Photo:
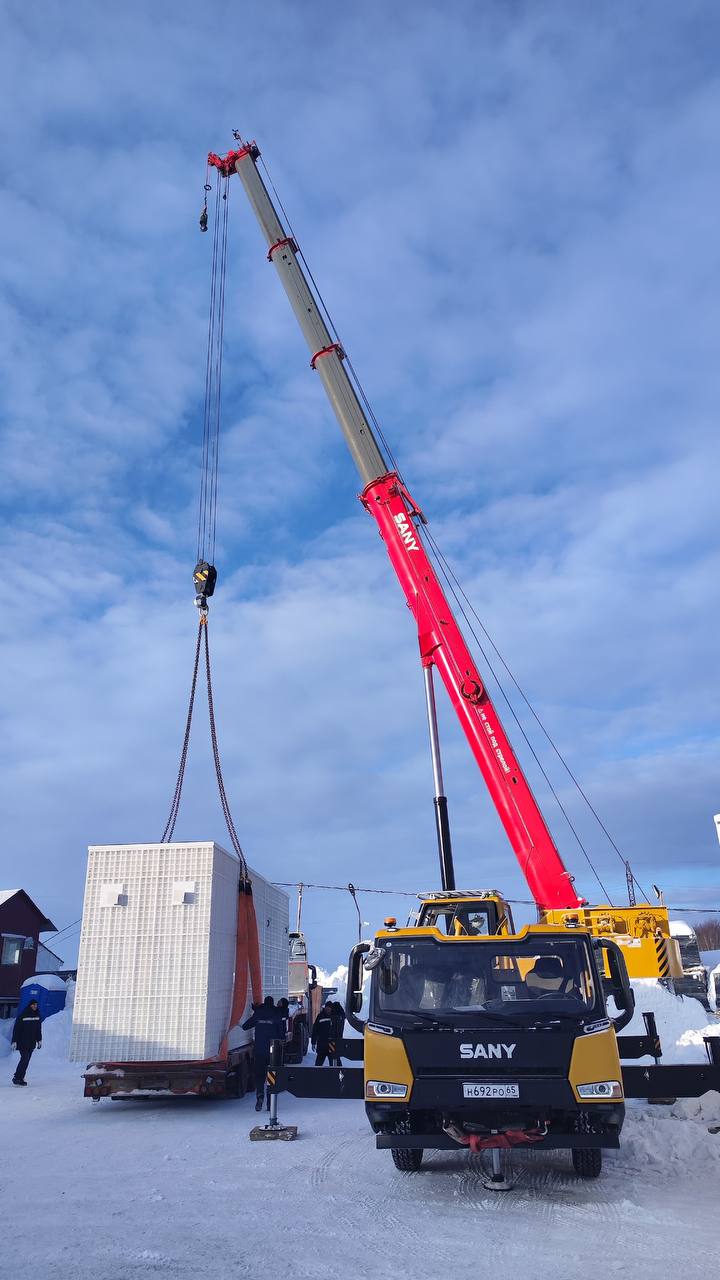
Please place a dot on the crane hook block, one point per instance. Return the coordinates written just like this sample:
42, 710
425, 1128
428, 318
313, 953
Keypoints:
204, 579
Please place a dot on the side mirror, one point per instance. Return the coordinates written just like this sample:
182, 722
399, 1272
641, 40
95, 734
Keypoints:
313, 976
354, 993
618, 983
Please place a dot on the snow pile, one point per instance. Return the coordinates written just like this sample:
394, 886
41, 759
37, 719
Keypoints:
49, 981
56, 1033
686, 1135
682, 1023
6, 1026
338, 978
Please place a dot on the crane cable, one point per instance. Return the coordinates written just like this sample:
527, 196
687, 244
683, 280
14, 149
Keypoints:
207, 510
453, 584
205, 574
451, 578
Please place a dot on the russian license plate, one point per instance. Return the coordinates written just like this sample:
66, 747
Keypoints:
478, 1090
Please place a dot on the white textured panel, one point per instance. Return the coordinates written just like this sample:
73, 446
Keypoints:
155, 976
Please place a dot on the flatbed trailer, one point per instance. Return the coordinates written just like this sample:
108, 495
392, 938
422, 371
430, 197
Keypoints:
213, 1078
229, 1077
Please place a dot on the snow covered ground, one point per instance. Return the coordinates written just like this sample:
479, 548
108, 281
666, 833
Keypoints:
113, 1191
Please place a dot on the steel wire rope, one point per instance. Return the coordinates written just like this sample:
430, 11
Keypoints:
220, 335
440, 558
207, 406
218, 767
212, 407
323, 307
440, 563
167, 834
207, 514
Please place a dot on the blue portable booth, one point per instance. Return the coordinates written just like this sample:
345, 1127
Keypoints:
48, 989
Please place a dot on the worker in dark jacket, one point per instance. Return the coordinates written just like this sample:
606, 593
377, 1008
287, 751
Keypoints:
322, 1035
26, 1037
283, 1008
337, 1018
267, 1023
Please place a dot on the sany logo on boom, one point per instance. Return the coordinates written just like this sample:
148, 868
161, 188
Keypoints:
406, 531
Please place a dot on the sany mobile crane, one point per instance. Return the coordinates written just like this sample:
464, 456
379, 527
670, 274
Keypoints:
641, 931
477, 1036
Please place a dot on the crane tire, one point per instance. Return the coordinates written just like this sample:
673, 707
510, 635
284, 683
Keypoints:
407, 1159
587, 1161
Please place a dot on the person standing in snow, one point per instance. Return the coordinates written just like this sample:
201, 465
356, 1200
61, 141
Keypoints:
283, 1008
337, 1018
267, 1023
322, 1035
26, 1037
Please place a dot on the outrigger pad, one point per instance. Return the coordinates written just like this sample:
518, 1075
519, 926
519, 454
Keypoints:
265, 1133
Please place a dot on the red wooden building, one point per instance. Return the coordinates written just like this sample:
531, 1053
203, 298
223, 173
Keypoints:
21, 924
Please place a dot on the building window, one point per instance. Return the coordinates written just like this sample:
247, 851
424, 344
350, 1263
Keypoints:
12, 949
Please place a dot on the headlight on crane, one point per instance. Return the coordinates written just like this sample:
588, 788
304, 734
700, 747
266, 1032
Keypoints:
602, 1089
384, 1090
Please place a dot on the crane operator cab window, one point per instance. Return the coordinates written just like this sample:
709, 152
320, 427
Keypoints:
298, 947
458, 922
457, 979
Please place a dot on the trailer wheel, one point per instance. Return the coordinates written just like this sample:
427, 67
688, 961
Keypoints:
236, 1083
587, 1161
243, 1078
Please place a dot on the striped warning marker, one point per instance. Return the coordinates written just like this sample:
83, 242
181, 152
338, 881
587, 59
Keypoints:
662, 956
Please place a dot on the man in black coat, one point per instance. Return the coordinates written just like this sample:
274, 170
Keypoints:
337, 1018
268, 1024
322, 1035
26, 1036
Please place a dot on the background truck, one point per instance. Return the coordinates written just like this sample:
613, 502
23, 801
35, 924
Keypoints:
694, 979
305, 994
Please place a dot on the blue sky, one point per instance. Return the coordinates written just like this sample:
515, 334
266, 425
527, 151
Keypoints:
511, 211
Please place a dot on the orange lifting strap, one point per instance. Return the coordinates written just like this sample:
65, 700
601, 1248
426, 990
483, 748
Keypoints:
247, 959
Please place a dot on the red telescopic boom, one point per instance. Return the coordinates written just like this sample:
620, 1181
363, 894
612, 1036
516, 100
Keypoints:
441, 642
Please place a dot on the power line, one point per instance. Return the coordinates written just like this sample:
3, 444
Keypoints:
406, 892
59, 932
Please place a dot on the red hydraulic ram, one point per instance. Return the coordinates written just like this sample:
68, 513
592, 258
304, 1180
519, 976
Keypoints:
441, 642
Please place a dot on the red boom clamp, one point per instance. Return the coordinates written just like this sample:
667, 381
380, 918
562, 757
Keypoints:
226, 164
280, 244
326, 351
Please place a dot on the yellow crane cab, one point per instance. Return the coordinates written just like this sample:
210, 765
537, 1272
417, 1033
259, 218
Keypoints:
462, 913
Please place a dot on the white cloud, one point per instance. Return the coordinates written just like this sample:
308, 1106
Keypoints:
510, 214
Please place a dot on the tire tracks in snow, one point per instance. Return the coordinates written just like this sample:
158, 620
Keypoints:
354, 1162
540, 1190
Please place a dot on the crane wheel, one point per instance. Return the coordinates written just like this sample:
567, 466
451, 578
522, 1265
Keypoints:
587, 1161
407, 1159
